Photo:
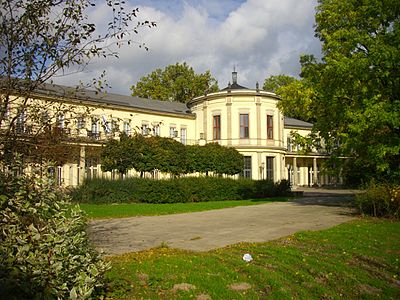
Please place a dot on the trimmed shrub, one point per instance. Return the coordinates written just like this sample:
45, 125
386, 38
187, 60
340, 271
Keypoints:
381, 200
190, 189
44, 249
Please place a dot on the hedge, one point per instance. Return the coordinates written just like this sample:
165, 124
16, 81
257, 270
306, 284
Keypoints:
191, 189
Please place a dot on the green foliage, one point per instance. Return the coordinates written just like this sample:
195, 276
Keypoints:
215, 158
145, 154
39, 39
44, 249
176, 82
306, 143
191, 189
118, 155
272, 83
356, 87
380, 200
296, 101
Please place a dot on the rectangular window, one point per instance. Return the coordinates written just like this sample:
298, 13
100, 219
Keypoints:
20, 122
60, 121
183, 136
127, 127
244, 126
95, 129
80, 122
173, 132
217, 127
270, 167
145, 129
156, 130
289, 144
247, 167
114, 125
95, 125
270, 127
45, 118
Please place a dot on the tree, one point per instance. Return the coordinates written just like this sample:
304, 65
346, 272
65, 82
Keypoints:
176, 82
172, 157
214, 158
44, 251
118, 155
296, 99
272, 83
356, 86
39, 39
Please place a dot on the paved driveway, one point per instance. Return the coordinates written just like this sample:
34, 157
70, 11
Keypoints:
202, 231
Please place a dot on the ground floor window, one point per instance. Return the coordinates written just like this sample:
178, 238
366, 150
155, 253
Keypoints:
270, 168
91, 168
247, 167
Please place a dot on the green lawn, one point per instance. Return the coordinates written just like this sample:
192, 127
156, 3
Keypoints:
101, 211
356, 260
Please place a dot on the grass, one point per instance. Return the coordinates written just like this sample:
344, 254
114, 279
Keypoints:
103, 211
356, 260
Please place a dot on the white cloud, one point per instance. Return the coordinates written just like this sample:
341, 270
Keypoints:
260, 37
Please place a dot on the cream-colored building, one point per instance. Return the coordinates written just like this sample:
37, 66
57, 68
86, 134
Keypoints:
247, 119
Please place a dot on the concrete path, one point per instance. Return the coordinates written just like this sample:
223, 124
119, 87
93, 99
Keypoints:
202, 231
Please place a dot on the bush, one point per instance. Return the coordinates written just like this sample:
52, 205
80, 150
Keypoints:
381, 200
190, 189
44, 250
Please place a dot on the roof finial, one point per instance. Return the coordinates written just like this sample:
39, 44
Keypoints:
234, 75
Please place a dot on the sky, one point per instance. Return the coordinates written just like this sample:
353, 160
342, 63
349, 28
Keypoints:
259, 38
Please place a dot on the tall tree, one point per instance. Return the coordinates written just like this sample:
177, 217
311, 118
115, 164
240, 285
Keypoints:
42, 38
357, 85
176, 82
45, 252
272, 83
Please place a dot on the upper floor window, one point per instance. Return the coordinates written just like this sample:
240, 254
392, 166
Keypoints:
60, 121
114, 125
80, 122
145, 129
244, 126
173, 132
183, 136
156, 130
217, 127
20, 122
95, 125
127, 127
289, 144
270, 127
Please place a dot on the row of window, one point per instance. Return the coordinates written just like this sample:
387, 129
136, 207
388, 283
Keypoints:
244, 131
266, 170
109, 127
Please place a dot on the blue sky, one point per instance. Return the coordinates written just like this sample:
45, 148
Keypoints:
260, 37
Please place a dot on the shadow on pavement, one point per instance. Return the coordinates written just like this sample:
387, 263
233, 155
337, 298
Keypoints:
326, 197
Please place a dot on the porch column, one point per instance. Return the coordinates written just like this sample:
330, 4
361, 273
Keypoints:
82, 164
294, 171
315, 173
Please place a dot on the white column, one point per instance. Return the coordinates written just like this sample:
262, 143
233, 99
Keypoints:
315, 173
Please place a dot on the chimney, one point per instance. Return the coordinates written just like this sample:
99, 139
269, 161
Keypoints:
234, 76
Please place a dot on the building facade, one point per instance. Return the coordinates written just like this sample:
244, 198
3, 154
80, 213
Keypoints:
246, 119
